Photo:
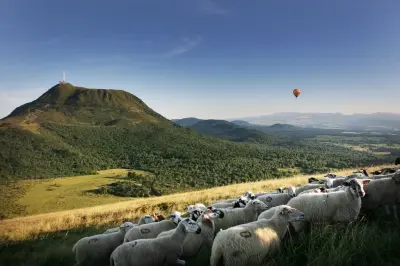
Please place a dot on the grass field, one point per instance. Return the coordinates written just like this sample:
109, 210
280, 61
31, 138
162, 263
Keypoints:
47, 239
66, 193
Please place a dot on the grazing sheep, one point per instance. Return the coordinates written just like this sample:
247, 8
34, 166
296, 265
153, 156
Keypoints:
278, 198
278, 190
157, 251
194, 214
253, 243
338, 181
146, 219
200, 206
305, 187
337, 206
249, 195
238, 203
382, 192
322, 190
145, 231
193, 243
233, 217
196, 210
95, 250
241, 202
315, 190
268, 213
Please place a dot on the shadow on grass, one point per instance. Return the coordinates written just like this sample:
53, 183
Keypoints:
364, 242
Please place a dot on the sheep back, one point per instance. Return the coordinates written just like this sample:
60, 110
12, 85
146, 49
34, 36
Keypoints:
151, 230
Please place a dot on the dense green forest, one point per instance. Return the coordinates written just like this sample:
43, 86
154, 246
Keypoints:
178, 156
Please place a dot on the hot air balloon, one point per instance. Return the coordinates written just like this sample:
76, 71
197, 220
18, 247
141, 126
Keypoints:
296, 92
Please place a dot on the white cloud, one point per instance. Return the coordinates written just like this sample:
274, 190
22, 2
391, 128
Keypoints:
9, 100
210, 7
185, 46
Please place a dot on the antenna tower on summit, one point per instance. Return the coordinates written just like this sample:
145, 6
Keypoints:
63, 80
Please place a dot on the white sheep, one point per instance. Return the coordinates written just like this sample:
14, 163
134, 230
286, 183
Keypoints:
233, 217
253, 243
146, 219
278, 190
95, 250
238, 203
305, 187
337, 206
151, 230
382, 192
157, 251
248, 194
276, 199
200, 206
322, 190
194, 242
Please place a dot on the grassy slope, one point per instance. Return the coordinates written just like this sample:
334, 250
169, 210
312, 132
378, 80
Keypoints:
47, 239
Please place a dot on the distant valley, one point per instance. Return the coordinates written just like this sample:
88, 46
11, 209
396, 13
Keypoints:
375, 121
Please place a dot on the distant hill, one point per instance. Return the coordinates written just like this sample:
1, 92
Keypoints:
230, 131
241, 123
375, 121
186, 122
72, 130
68, 104
282, 126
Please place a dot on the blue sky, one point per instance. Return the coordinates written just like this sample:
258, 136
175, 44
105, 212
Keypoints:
207, 58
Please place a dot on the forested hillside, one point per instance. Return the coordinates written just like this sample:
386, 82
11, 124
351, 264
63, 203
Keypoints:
178, 157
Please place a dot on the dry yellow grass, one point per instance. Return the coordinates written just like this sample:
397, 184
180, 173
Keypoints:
31, 226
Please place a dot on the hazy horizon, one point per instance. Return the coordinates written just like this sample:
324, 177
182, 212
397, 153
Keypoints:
207, 59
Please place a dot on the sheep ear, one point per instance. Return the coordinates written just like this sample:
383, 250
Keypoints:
364, 182
284, 211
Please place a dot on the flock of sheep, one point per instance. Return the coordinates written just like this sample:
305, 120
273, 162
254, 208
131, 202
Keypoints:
242, 231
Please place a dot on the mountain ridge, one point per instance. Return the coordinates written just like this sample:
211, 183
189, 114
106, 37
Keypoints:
66, 103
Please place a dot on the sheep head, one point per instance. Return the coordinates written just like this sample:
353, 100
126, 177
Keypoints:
257, 205
291, 191
190, 226
195, 214
176, 217
148, 219
291, 214
125, 227
356, 186
240, 202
